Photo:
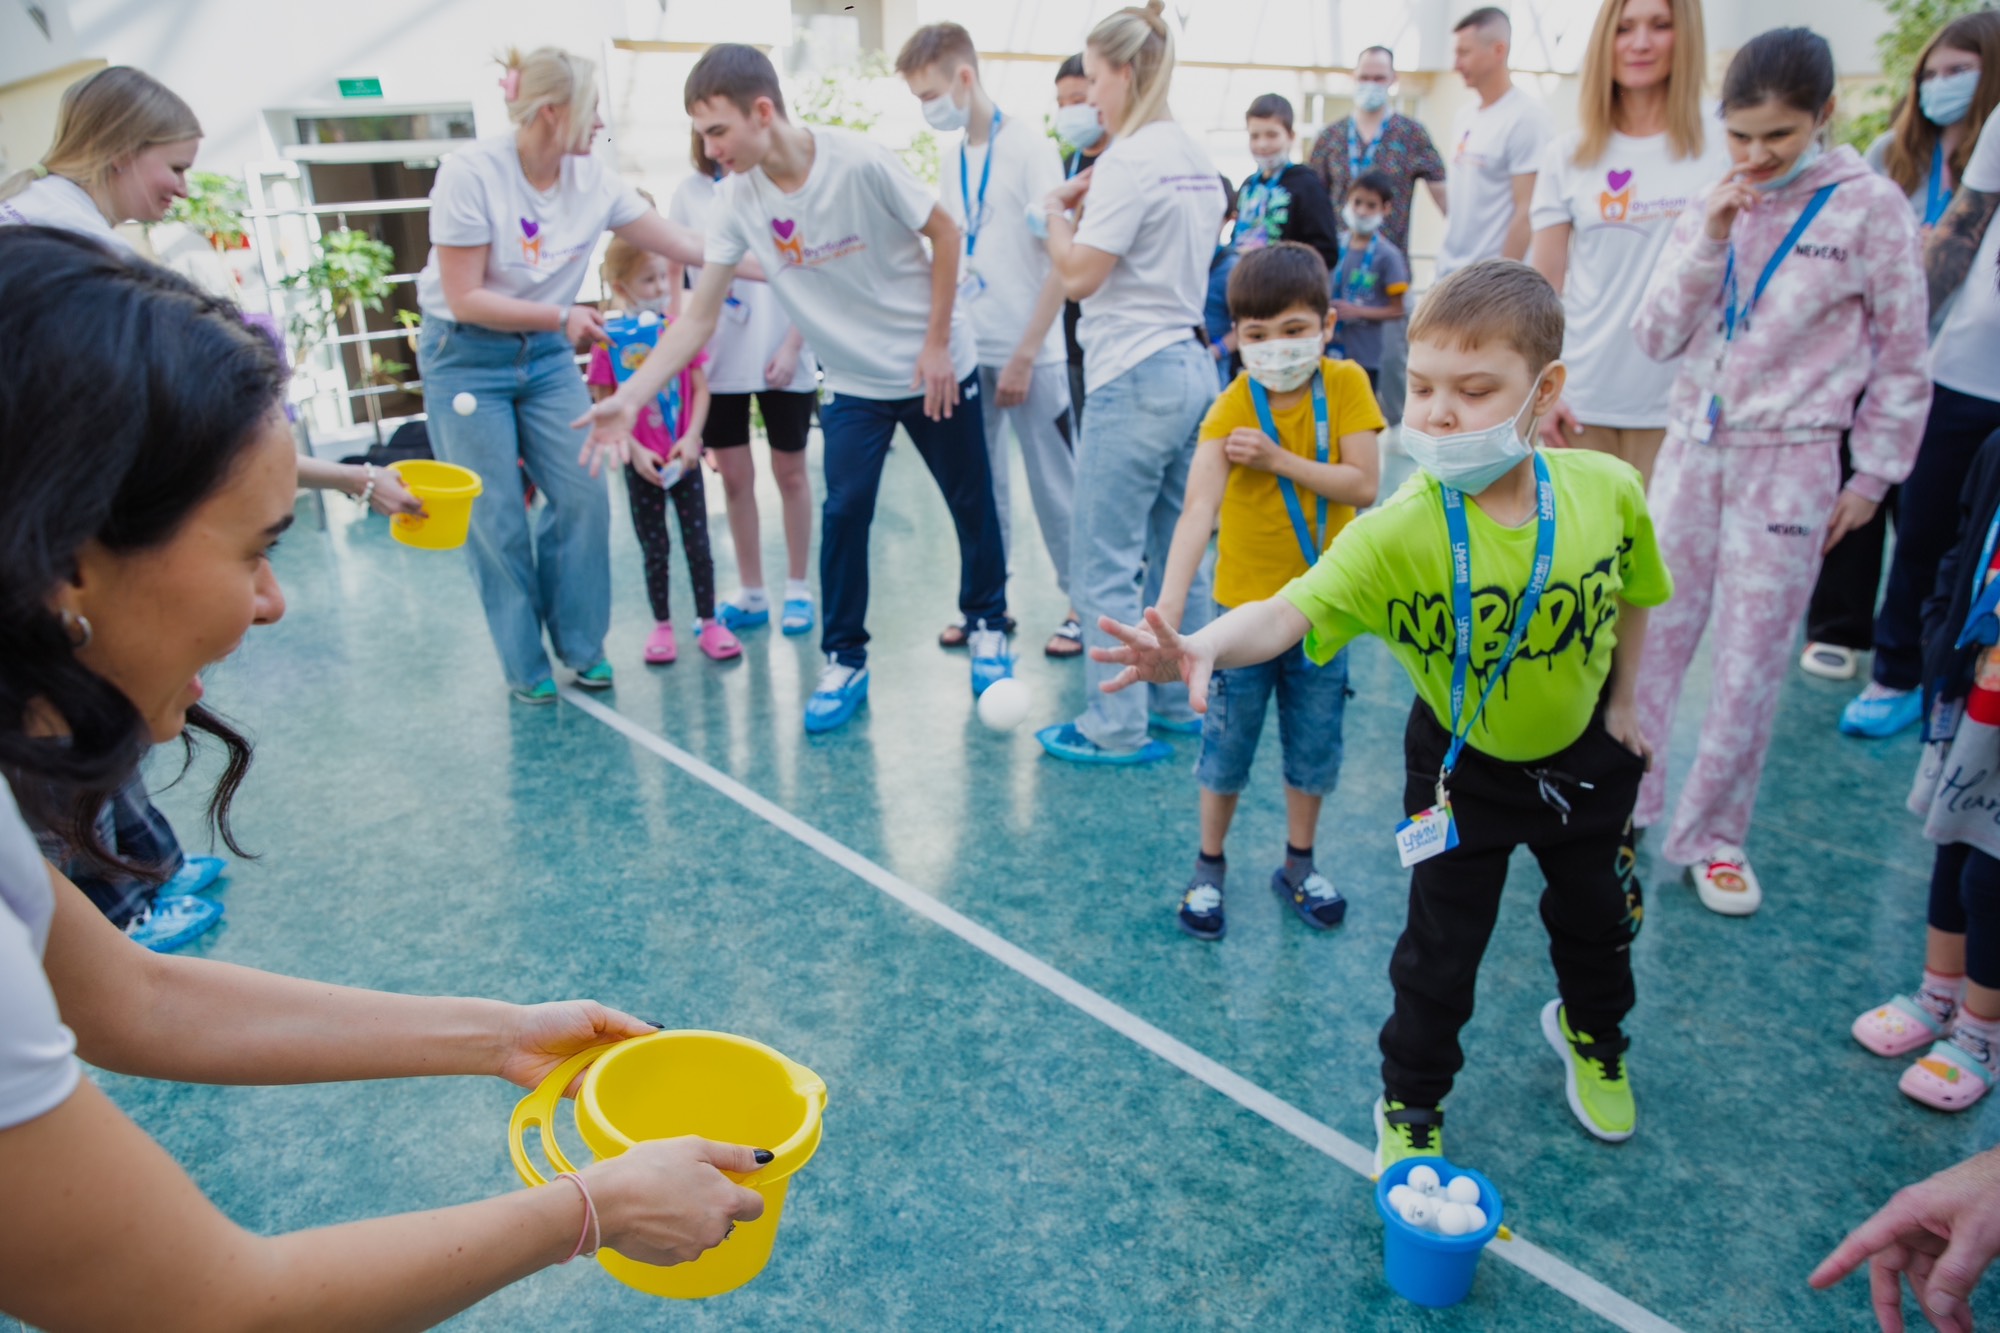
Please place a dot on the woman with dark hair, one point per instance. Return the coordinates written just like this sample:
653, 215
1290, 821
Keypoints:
150, 472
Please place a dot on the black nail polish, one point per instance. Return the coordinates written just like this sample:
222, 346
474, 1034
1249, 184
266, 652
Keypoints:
661, 1027
764, 1156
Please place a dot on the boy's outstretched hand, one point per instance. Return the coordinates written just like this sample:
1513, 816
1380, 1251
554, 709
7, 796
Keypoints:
1155, 653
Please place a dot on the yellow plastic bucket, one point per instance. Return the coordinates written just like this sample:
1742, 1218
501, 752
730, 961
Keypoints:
447, 491
710, 1084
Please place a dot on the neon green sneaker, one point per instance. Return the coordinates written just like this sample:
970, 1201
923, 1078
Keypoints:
1406, 1131
1600, 1093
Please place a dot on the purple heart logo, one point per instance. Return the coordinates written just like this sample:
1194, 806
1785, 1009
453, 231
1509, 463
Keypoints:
530, 228
783, 228
1617, 180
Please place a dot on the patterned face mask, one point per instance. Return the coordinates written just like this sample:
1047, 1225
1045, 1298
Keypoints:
1282, 364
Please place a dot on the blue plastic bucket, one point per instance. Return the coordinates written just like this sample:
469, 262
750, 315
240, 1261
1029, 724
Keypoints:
1423, 1266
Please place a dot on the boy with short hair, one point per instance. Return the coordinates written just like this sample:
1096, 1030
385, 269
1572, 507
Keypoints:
1368, 285
1008, 287
838, 223
1284, 458
1281, 200
1493, 552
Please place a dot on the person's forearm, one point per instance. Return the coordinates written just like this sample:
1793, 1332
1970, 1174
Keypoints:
794, 342
317, 474
680, 344
1439, 196
1255, 632
1629, 653
944, 292
1190, 543
697, 421
1519, 234
1376, 312
1048, 305
1953, 243
507, 314
1342, 483
1066, 261
208, 1022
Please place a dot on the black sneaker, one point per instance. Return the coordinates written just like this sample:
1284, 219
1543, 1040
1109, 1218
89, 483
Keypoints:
1201, 911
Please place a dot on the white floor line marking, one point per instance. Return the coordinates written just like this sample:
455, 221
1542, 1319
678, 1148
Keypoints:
1529, 1258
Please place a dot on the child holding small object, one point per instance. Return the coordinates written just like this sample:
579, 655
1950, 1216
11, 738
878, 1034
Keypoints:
1373, 274
1489, 538
1957, 1007
1284, 457
664, 461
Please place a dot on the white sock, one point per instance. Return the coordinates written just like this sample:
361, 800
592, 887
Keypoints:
753, 599
798, 590
1874, 691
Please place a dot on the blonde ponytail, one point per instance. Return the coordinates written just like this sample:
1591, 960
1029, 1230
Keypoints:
104, 120
1140, 40
547, 76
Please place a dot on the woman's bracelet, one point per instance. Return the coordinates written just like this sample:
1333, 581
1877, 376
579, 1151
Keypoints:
591, 1227
367, 491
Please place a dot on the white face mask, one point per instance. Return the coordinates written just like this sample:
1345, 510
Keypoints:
1357, 223
1282, 364
1078, 126
1472, 460
1270, 162
1371, 97
1796, 170
945, 115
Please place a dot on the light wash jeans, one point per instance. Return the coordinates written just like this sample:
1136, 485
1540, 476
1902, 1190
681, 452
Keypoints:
528, 390
1131, 474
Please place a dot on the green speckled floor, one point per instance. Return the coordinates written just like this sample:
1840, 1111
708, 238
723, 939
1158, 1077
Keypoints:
994, 1157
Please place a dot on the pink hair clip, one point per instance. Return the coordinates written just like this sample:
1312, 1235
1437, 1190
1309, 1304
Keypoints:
510, 84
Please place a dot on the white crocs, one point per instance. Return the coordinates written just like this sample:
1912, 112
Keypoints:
1726, 884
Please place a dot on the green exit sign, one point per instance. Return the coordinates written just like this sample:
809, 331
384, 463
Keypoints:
361, 87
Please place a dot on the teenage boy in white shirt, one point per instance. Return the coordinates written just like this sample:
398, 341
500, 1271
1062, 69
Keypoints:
1008, 287
838, 224
1496, 146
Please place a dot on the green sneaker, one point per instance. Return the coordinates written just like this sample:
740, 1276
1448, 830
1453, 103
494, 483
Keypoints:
597, 678
1406, 1131
1600, 1093
544, 692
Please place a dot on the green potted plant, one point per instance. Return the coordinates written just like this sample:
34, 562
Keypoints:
349, 276
213, 209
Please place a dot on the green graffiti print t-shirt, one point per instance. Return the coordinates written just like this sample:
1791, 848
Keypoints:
1389, 574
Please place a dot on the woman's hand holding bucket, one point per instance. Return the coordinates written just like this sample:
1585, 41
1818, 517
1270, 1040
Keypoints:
542, 1036
667, 1202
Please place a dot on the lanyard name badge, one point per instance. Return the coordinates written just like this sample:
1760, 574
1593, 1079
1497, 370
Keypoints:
970, 284
1359, 159
1353, 279
1431, 832
1733, 318
1936, 198
1308, 546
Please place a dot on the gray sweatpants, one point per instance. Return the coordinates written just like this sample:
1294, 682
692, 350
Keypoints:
1041, 424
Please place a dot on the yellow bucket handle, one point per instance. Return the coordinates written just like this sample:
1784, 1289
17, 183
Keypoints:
538, 1109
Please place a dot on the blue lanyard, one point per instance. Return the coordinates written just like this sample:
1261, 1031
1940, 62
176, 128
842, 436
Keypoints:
1937, 199
1981, 624
974, 218
1730, 318
1262, 401
1360, 268
1461, 603
1359, 162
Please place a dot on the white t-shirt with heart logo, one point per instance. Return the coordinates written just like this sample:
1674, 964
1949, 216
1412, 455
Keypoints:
845, 259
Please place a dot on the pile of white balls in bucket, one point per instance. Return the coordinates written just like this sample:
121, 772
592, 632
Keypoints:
1430, 1205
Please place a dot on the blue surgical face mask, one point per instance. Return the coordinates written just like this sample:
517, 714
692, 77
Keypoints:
1797, 169
1078, 126
1945, 99
1371, 97
1472, 460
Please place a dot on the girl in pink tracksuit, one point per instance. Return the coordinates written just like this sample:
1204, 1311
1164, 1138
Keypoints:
1746, 497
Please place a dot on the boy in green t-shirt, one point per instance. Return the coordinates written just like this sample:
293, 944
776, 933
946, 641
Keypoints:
1540, 565
1285, 455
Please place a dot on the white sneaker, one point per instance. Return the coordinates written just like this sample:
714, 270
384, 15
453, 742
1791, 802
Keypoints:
1830, 661
1726, 884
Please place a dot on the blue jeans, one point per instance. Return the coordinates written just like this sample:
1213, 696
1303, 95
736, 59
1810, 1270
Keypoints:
1131, 473
528, 390
856, 433
1312, 701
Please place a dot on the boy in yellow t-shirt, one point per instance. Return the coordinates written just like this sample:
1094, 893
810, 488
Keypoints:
1283, 458
1511, 584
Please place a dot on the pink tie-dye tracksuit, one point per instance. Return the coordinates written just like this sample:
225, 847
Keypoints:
1741, 519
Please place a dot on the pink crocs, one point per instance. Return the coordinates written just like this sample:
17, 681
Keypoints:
1898, 1027
1949, 1078
718, 642
660, 648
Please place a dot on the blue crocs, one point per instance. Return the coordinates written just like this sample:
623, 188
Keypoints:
597, 678
735, 619
990, 659
1316, 901
1174, 726
543, 692
798, 617
174, 923
196, 874
1066, 742
1879, 719
841, 693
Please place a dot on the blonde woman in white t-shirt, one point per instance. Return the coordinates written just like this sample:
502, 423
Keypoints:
1604, 204
1138, 262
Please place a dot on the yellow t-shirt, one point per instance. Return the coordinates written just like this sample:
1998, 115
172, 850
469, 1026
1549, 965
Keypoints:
1258, 551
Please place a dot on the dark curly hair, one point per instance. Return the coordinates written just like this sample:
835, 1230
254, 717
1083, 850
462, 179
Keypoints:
127, 396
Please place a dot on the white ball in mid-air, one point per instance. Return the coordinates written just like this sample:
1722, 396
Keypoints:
464, 404
648, 318
1004, 704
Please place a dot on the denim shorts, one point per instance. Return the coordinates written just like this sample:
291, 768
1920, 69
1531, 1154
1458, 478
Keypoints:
1312, 700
